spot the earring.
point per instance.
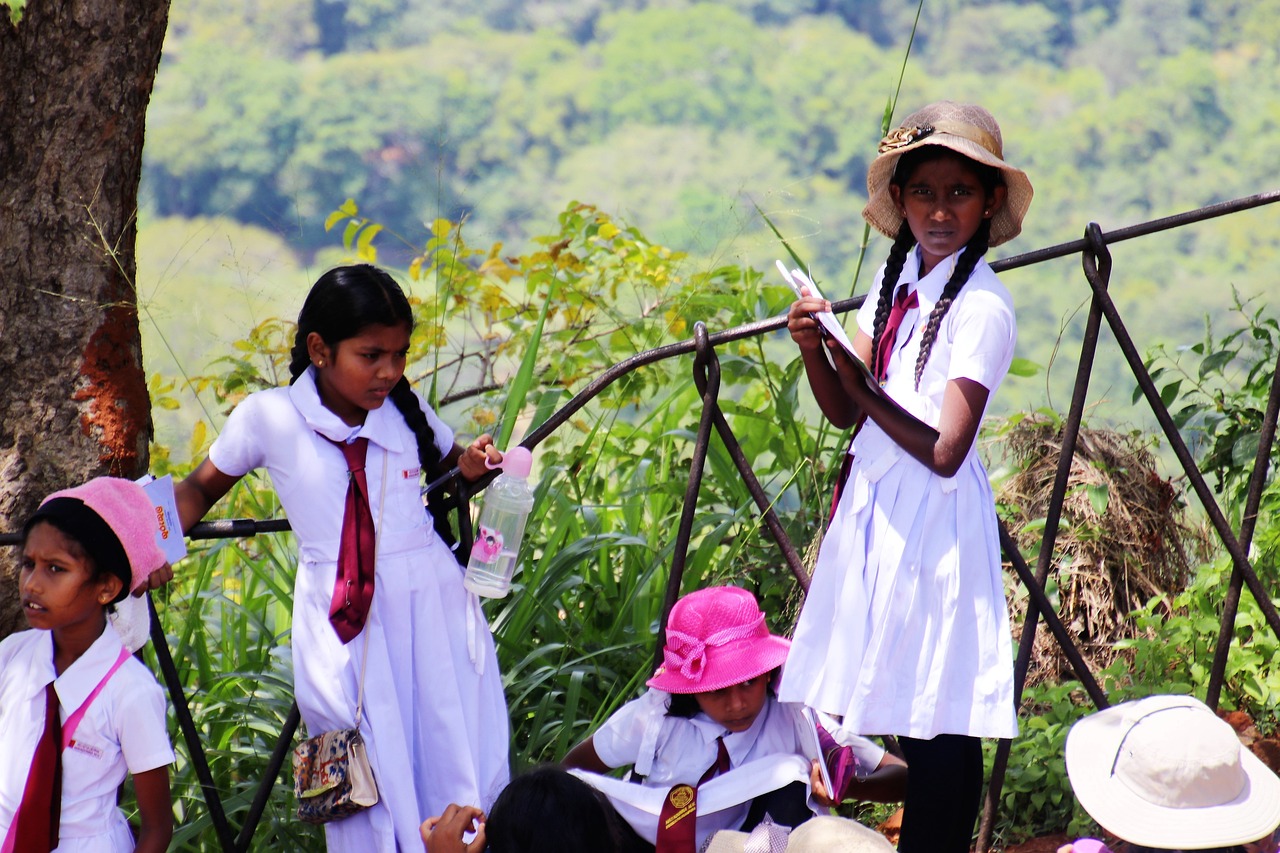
(320, 362)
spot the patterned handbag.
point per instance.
(332, 777)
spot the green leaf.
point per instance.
(1024, 367)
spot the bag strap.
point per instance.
(377, 542)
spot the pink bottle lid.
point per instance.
(518, 462)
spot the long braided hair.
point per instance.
(344, 301)
(973, 251)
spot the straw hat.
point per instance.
(716, 638)
(964, 128)
(822, 834)
(1165, 772)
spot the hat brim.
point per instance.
(884, 216)
(1090, 750)
(726, 666)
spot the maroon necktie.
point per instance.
(353, 586)
(35, 824)
(679, 810)
(902, 303)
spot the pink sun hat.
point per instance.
(116, 523)
(716, 638)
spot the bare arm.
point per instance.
(584, 757)
(199, 491)
(155, 807)
(886, 784)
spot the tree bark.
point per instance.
(77, 77)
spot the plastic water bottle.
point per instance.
(507, 502)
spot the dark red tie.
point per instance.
(35, 824)
(353, 586)
(678, 817)
(902, 303)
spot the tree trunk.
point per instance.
(77, 76)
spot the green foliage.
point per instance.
(1222, 398)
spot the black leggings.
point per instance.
(944, 790)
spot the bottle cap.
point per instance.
(518, 462)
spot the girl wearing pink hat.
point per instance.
(710, 712)
(904, 630)
(77, 711)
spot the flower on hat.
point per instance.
(901, 137)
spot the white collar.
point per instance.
(78, 680)
(378, 425)
(739, 744)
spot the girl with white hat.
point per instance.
(1164, 773)
(904, 631)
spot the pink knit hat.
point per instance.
(126, 546)
(716, 638)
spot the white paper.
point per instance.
(830, 325)
(814, 747)
(168, 527)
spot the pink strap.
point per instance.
(69, 727)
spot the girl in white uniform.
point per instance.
(434, 716)
(84, 550)
(715, 687)
(904, 630)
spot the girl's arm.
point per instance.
(886, 784)
(195, 494)
(155, 807)
(199, 491)
(833, 399)
(941, 450)
(584, 757)
(471, 459)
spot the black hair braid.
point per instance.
(973, 252)
(429, 456)
(892, 272)
(299, 358)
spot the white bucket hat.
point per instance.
(964, 128)
(822, 834)
(1166, 772)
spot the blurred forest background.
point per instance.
(680, 118)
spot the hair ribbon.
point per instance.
(689, 653)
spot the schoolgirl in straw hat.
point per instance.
(904, 630)
(710, 713)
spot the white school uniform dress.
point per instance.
(123, 731)
(435, 719)
(904, 630)
(667, 751)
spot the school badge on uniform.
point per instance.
(676, 822)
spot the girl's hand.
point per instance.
(445, 833)
(820, 792)
(155, 580)
(805, 330)
(472, 460)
